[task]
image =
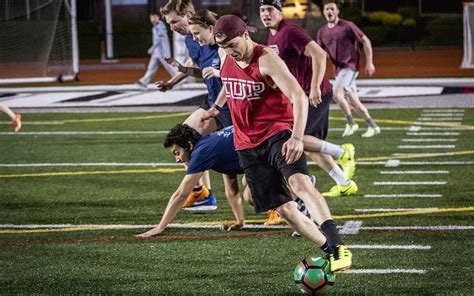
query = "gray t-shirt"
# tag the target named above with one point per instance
(342, 44)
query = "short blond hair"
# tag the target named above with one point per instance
(204, 18)
(181, 7)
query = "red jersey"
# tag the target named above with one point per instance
(258, 110)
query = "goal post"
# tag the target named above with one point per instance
(468, 20)
(38, 41)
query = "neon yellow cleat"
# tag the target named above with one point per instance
(274, 218)
(341, 260)
(347, 161)
(350, 129)
(338, 190)
(371, 132)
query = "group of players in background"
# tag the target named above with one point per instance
(266, 107)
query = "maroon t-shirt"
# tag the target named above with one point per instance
(342, 44)
(289, 43)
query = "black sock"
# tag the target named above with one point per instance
(332, 235)
(197, 188)
(326, 248)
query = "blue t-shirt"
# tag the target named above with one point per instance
(207, 56)
(215, 152)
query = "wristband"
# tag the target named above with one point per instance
(217, 107)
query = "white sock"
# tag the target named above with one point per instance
(338, 176)
(334, 150)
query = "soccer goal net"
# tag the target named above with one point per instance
(38, 41)
(468, 60)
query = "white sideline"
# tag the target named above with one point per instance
(439, 119)
(393, 210)
(391, 247)
(412, 172)
(402, 195)
(433, 134)
(385, 271)
(426, 146)
(410, 183)
(429, 140)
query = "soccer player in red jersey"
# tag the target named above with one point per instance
(341, 39)
(307, 62)
(269, 111)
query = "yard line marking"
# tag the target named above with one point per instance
(435, 162)
(442, 123)
(416, 155)
(53, 122)
(439, 118)
(413, 172)
(433, 134)
(402, 195)
(85, 133)
(438, 124)
(422, 228)
(384, 271)
(410, 183)
(444, 110)
(426, 146)
(127, 118)
(391, 247)
(429, 140)
(79, 164)
(92, 173)
(392, 210)
(426, 114)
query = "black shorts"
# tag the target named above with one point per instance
(318, 118)
(223, 119)
(266, 172)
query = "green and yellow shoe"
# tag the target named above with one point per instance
(338, 190)
(347, 161)
(341, 260)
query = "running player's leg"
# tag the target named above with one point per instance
(344, 79)
(373, 129)
(153, 65)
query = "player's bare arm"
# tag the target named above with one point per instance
(175, 204)
(272, 65)
(167, 85)
(220, 100)
(369, 65)
(318, 65)
(190, 69)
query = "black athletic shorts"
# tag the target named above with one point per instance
(318, 118)
(223, 118)
(266, 170)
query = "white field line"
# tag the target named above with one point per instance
(426, 146)
(402, 195)
(443, 110)
(385, 271)
(395, 163)
(382, 210)
(35, 122)
(85, 133)
(433, 134)
(438, 122)
(410, 183)
(391, 247)
(417, 128)
(439, 118)
(413, 172)
(216, 226)
(426, 114)
(81, 164)
(429, 140)
(351, 227)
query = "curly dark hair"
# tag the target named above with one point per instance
(181, 135)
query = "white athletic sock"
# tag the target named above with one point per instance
(334, 150)
(338, 176)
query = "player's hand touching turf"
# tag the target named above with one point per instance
(315, 97)
(233, 226)
(150, 233)
(209, 72)
(292, 150)
(370, 69)
(163, 85)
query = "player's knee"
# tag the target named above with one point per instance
(299, 183)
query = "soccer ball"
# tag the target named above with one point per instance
(312, 275)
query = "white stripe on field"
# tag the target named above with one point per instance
(422, 228)
(385, 271)
(384, 163)
(427, 146)
(438, 122)
(35, 122)
(433, 134)
(439, 118)
(413, 172)
(402, 195)
(410, 183)
(429, 140)
(442, 114)
(152, 164)
(351, 227)
(85, 133)
(391, 247)
(444, 110)
(394, 210)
